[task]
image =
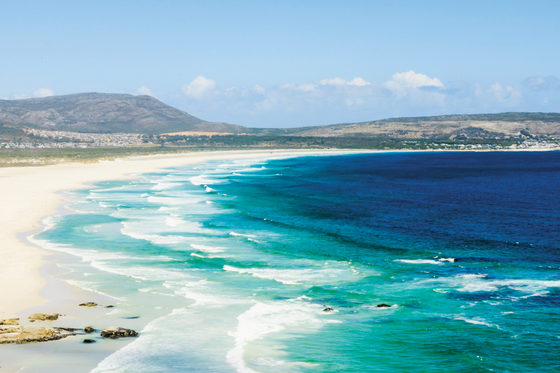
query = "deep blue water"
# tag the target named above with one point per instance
(238, 260)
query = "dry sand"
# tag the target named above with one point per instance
(29, 194)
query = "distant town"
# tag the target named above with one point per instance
(44, 139)
(61, 139)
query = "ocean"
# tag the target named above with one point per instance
(280, 265)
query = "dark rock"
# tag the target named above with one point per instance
(89, 341)
(131, 317)
(109, 306)
(66, 329)
(328, 309)
(89, 329)
(88, 304)
(383, 305)
(117, 332)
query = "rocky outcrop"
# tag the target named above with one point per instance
(88, 304)
(28, 334)
(383, 305)
(328, 309)
(9, 322)
(44, 317)
(117, 332)
(89, 341)
(89, 329)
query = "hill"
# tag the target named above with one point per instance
(104, 112)
(443, 126)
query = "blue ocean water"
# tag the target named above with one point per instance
(236, 263)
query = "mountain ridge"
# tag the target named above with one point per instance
(125, 113)
(105, 112)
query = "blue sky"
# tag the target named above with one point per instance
(289, 63)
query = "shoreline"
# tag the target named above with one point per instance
(55, 295)
(31, 194)
(25, 205)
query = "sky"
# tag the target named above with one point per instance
(289, 63)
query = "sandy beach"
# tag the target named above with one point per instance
(29, 194)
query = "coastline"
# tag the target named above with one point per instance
(30, 194)
(61, 296)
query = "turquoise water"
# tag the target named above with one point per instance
(237, 261)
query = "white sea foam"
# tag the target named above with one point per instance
(208, 249)
(293, 276)
(263, 319)
(174, 221)
(476, 321)
(202, 293)
(241, 235)
(204, 180)
(155, 238)
(160, 185)
(450, 260)
(418, 261)
(175, 200)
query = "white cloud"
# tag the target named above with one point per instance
(542, 83)
(144, 91)
(43, 92)
(257, 88)
(305, 87)
(405, 83)
(358, 82)
(505, 94)
(333, 81)
(198, 87)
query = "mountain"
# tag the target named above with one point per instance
(105, 112)
(448, 126)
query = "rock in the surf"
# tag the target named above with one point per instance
(88, 304)
(44, 317)
(117, 332)
(89, 341)
(66, 329)
(89, 329)
(383, 305)
(328, 309)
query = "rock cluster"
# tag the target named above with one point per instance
(28, 334)
(12, 332)
(117, 332)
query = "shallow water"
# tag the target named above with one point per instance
(235, 262)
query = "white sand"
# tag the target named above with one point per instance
(29, 194)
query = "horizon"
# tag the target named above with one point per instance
(291, 64)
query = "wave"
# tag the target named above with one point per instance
(241, 235)
(418, 261)
(295, 276)
(204, 180)
(266, 318)
(163, 185)
(208, 249)
(476, 321)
